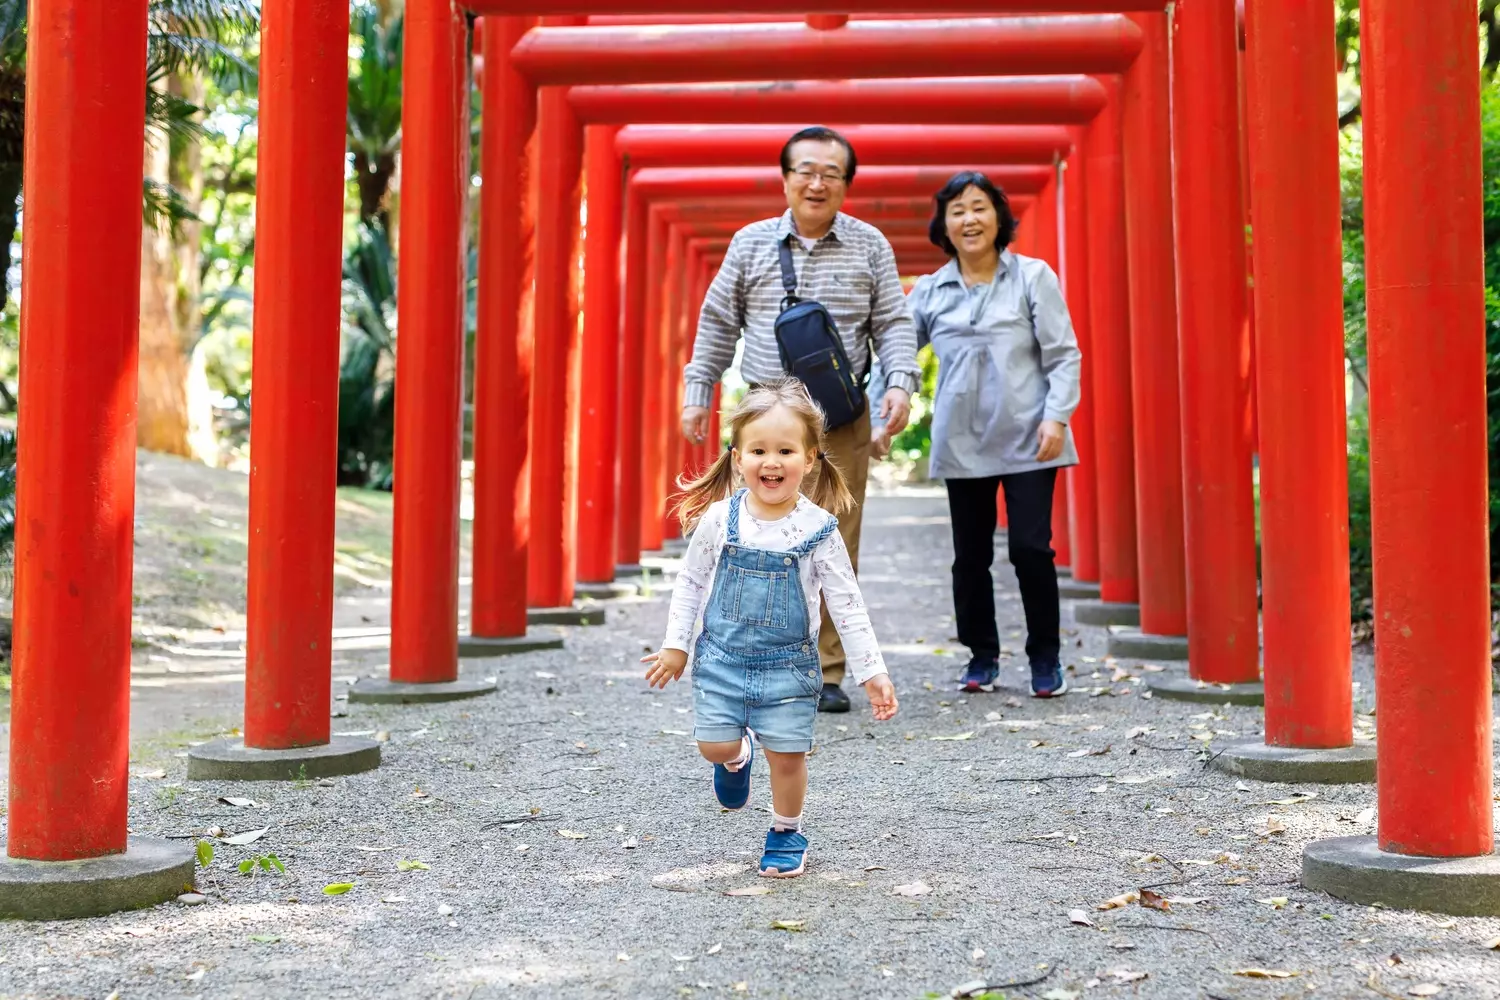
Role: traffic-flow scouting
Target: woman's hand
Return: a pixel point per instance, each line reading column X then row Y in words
column 880, row 443
column 1054, row 435
column 882, row 695
column 666, row 666
column 895, row 410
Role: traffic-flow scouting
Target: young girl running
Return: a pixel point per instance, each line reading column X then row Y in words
column 758, row 560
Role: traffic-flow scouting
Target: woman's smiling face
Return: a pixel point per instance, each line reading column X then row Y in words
column 972, row 222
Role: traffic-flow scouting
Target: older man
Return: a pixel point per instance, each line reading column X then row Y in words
column 849, row 267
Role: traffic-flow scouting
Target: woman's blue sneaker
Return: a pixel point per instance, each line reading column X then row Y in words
column 786, row 854
column 732, row 788
column 981, row 675
column 1048, row 680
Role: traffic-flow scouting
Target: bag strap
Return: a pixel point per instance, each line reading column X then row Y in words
column 788, row 276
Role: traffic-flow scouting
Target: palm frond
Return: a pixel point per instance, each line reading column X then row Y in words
column 173, row 115
column 206, row 18
column 8, row 450
column 177, row 52
column 164, row 207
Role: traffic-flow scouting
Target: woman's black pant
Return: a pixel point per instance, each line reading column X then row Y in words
column 1028, row 506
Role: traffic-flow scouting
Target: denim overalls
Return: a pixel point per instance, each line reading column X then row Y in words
column 755, row 664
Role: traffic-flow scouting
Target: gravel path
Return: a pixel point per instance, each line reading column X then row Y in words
column 569, row 844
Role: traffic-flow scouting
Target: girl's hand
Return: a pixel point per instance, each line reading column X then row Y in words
column 666, row 666
column 1053, row 436
column 882, row 694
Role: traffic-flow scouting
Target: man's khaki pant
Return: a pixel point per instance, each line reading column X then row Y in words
column 849, row 449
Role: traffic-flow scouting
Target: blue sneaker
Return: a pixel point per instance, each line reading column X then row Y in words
column 786, row 854
column 1048, row 680
column 980, row 675
column 732, row 788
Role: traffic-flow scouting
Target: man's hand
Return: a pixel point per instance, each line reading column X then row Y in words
column 882, row 695
column 1052, row 438
column 895, row 410
column 695, row 423
column 666, row 666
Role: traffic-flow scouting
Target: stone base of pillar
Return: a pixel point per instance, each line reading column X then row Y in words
column 1129, row 642
column 1065, row 572
column 379, row 691
column 606, row 591
column 627, row 570
column 1106, row 613
column 1072, row 590
column 674, row 546
column 1183, row 688
column 1258, row 761
column 563, row 616
column 231, row 760
column 1354, row 869
column 149, row 872
column 477, row 646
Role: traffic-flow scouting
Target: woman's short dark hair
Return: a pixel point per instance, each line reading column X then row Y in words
column 819, row 133
column 937, row 231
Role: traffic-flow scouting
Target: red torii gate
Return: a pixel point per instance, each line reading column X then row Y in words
column 1425, row 279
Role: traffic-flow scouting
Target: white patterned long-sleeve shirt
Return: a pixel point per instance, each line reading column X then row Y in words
column 828, row 574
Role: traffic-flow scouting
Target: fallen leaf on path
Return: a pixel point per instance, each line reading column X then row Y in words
column 714, row 950
column 789, row 925
column 572, row 835
column 1264, row 973
column 1273, row 827
column 1087, row 752
column 1012, row 703
column 622, row 957
column 1425, row 990
column 265, row 938
column 1127, row 976
column 248, row 837
column 1140, row 731
column 1275, row 902
column 544, row 675
column 413, row 866
column 230, row 800
column 1366, row 816
column 1033, row 744
column 630, row 843
column 1080, row 918
column 156, row 773
column 1188, row 900
column 1241, row 880
column 193, row 977
column 337, row 888
column 1061, row 994
column 372, row 850
column 393, row 899
column 1124, row 899
column 1447, row 925
column 977, row 954
column 953, row 739
column 912, row 889
column 875, row 868
column 1155, row 901
column 1133, row 780
column 1296, row 798
column 749, row 890
column 419, row 794
column 673, row 732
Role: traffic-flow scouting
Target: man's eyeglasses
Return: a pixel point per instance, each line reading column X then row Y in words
column 829, row 177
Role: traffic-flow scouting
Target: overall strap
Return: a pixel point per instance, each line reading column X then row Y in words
column 732, row 534
column 812, row 541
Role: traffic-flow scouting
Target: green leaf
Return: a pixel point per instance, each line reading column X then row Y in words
column 265, row 863
column 205, row 853
column 265, row 938
column 337, row 888
column 413, row 866
column 277, row 862
column 246, row 866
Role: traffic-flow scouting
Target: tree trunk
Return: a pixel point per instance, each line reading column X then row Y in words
column 174, row 412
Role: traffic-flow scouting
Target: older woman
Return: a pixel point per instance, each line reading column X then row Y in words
column 1007, row 385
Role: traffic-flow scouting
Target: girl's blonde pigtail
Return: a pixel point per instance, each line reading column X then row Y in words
column 709, row 488
column 832, row 489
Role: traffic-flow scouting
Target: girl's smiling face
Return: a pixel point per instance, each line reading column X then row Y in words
column 773, row 456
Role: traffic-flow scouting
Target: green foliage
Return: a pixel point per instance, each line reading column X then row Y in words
column 261, row 863
column 367, row 376
column 205, row 853
column 915, row 441
column 374, row 108
column 1361, row 584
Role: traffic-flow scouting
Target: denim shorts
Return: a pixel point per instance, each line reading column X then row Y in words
column 774, row 692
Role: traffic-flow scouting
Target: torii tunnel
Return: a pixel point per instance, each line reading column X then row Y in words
column 1117, row 126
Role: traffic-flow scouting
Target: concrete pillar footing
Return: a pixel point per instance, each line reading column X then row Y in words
column 1129, row 642
column 150, row 871
column 380, row 691
column 1106, row 613
column 1074, row 590
column 232, row 760
column 476, row 646
column 1183, row 688
column 606, row 591
column 564, row 616
column 1259, row 761
column 1354, row 869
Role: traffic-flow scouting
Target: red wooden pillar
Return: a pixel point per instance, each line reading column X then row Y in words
column 1153, row 335
column 1083, row 507
column 429, row 363
column 1109, row 372
column 556, row 378
column 1218, row 499
column 633, row 430
column 671, row 378
column 299, row 202
column 1424, row 274
column 661, row 423
column 70, row 712
column 598, row 452
column 503, row 344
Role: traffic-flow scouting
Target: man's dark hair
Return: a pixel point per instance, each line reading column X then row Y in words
column 819, row 133
column 937, row 230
